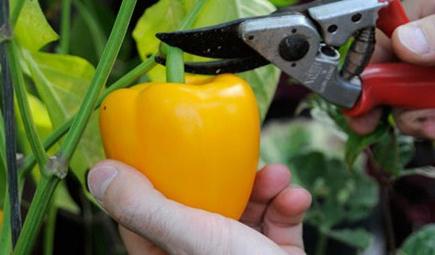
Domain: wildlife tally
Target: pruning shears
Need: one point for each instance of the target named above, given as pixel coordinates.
(302, 41)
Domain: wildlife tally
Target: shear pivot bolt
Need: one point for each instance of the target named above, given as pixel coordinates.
(294, 48)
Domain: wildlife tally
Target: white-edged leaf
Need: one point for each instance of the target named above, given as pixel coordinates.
(358, 238)
(421, 242)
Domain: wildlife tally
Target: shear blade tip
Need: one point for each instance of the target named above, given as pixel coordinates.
(162, 36)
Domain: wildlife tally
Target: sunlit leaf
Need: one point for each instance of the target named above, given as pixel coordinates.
(264, 82)
(61, 82)
(163, 16)
(32, 29)
(43, 126)
(283, 3)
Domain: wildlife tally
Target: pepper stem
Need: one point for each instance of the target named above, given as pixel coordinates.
(174, 56)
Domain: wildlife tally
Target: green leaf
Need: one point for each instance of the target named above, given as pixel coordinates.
(358, 238)
(406, 149)
(391, 151)
(40, 118)
(387, 155)
(166, 15)
(61, 81)
(356, 144)
(264, 82)
(427, 171)
(314, 153)
(32, 29)
(421, 242)
(281, 141)
(283, 3)
(43, 125)
(163, 16)
(342, 195)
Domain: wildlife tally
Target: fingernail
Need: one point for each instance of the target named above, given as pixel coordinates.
(414, 39)
(99, 179)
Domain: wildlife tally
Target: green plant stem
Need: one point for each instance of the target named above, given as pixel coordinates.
(174, 56)
(5, 234)
(129, 78)
(174, 65)
(124, 81)
(3, 167)
(65, 27)
(23, 105)
(101, 75)
(9, 119)
(47, 186)
(16, 11)
(388, 221)
(99, 38)
(35, 215)
(321, 243)
(50, 229)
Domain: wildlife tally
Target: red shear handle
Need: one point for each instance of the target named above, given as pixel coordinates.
(391, 17)
(397, 85)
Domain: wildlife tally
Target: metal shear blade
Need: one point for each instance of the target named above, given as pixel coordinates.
(220, 41)
(221, 66)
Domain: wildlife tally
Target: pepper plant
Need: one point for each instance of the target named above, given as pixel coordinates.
(50, 101)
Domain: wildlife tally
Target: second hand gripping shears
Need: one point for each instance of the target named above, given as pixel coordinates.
(302, 41)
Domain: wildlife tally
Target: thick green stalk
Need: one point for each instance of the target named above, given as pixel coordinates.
(174, 65)
(124, 81)
(129, 78)
(65, 27)
(23, 105)
(101, 75)
(47, 185)
(50, 229)
(9, 119)
(36, 213)
(321, 244)
(174, 56)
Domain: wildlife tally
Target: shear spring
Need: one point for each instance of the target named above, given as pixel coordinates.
(359, 53)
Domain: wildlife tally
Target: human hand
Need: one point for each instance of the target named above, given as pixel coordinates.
(412, 43)
(152, 224)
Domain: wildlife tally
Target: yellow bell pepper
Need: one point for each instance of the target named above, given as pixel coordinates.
(198, 142)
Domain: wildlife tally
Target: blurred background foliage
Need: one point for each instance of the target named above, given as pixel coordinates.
(355, 190)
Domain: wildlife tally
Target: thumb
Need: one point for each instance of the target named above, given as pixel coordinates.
(130, 199)
(415, 42)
